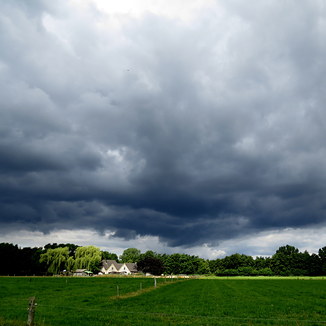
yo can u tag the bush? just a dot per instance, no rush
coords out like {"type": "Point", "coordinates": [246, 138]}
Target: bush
{"type": "Point", "coordinates": [265, 272]}
{"type": "Point", "coordinates": [247, 271]}
{"type": "Point", "coordinates": [227, 272]}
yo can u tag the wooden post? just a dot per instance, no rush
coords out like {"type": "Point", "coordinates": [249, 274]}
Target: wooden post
{"type": "Point", "coordinates": [31, 311]}
{"type": "Point", "coordinates": [154, 282]}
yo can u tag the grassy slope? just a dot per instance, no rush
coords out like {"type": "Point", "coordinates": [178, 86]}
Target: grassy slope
{"type": "Point", "coordinates": [91, 301]}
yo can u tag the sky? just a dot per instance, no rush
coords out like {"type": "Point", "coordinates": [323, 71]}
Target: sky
{"type": "Point", "coordinates": [194, 126]}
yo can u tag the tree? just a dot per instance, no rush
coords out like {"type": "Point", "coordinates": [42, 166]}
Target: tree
{"type": "Point", "coordinates": [88, 257]}
{"type": "Point", "coordinates": [287, 250]}
{"type": "Point", "coordinates": [172, 264]}
{"type": "Point", "coordinates": [55, 259]}
{"type": "Point", "coordinates": [284, 261]}
{"type": "Point", "coordinates": [148, 253]}
{"type": "Point", "coordinates": [189, 264]}
{"type": "Point", "coordinates": [109, 256]}
{"type": "Point", "coordinates": [322, 256]}
{"type": "Point", "coordinates": [72, 247]}
{"type": "Point", "coordinates": [9, 258]}
{"type": "Point", "coordinates": [181, 264]}
{"type": "Point", "coordinates": [30, 261]}
{"type": "Point", "coordinates": [262, 262]}
{"type": "Point", "coordinates": [70, 264]}
{"type": "Point", "coordinates": [151, 265]}
{"type": "Point", "coordinates": [215, 265]}
{"type": "Point", "coordinates": [237, 260]}
{"type": "Point", "coordinates": [301, 262]}
{"type": "Point", "coordinates": [130, 255]}
{"type": "Point", "coordinates": [315, 266]}
{"type": "Point", "coordinates": [203, 267]}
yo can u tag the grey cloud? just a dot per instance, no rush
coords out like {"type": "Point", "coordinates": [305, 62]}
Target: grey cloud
{"type": "Point", "coordinates": [192, 133]}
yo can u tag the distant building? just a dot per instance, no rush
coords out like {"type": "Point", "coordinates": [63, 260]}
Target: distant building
{"type": "Point", "coordinates": [112, 267]}
{"type": "Point", "coordinates": [82, 272]}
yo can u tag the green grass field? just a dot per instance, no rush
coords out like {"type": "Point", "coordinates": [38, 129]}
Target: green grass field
{"type": "Point", "coordinates": [94, 301]}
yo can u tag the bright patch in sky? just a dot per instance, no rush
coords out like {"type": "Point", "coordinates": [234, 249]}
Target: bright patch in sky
{"type": "Point", "coordinates": [259, 244]}
{"type": "Point", "coordinates": [179, 9]}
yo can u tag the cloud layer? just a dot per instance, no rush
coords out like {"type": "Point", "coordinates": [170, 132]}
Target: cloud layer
{"type": "Point", "coordinates": [194, 127]}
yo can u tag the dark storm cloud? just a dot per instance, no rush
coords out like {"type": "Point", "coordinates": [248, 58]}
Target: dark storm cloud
{"type": "Point", "coordinates": [192, 132]}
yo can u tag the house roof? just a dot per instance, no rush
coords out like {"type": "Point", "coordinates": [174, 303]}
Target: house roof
{"type": "Point", "coordinates": [107, 263]}
{"type": "Point", "coordinates": [132, 267]}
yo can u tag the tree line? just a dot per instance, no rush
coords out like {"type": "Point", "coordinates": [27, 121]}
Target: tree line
{"type": "Point", "coordinates": [64, 258]}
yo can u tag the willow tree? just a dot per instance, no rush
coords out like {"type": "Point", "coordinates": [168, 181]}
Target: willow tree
{"type": "Point", "coordinates": [70, 264]}
{"type": "Point", "coordinates": [87, 257]}
{"type": "Point", "coordinates": [56, 259]}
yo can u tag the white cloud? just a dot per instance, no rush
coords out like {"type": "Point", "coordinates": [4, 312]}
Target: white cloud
{"type": "Point", "coordinates": [179, 9]}
{"type": "Point", "coordinates": [267, 242]}
{"type": "Point", "coordinates": [259, 244]}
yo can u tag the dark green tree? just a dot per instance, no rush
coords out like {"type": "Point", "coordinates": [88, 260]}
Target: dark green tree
{"type": "Point", "coordinates": [237, 260]}
{"type": "Point", "coordinates": [172, 264]}
{"type": "Point", "coordinates": [315, 265]}
{"type": "Point", "coordinates": [262, 262]}
{"type": "Point", "coordinates": [109, 256]}
{"type": "Point", "coordinates": [151, 265]}
{"type": "Point", "coordinates": [322, 256]}
{"type": "Point", "coordinates": [203, 267]}
{"type": "Point", "coordinates": [284, 260]}
{"type": "Point", "coordinates": [10, 259]}
{"type": "Point", "coordinates": [216, 265]}
{"type": "Point", "coordinates": [130, 255]}
{"type": "Point", "coordinates": [181, 264]}
{"type": "Point", "coordinates": [148, 253]}
{"type": "Point", "coordinates": [30, 261]}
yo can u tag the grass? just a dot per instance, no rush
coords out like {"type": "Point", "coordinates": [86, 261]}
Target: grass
{"type": "Point", "coordinates": [210, 277]}
{"type": "Point", "coordinates": [94, 301]}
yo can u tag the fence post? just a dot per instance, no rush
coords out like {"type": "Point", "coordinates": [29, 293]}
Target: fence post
{"type": "Point", "coordinates": [154, 282]}
{"type": "Point", "coordinates": [31, 311]}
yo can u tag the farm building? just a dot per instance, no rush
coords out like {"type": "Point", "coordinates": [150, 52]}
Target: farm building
{"type": "Point", "coordinates": [82, 272]}
{"type": "Point", "coordinates": [112, 267]}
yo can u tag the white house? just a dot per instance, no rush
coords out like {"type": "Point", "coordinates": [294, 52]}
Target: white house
{"type": "Point", "coordinates": [128, 268]}
{"type": "Point", "coordinates": [112, 267]}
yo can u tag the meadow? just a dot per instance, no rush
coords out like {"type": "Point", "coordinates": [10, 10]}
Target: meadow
{"type": "Point", "coordinates": [101, 301]}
